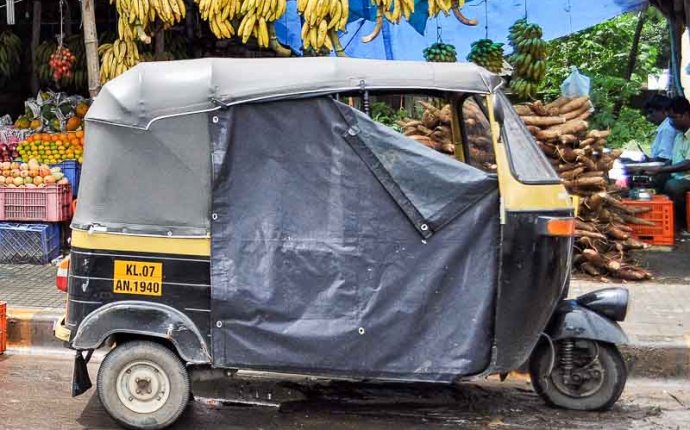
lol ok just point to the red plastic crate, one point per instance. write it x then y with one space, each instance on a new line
49 204
3 327
661 214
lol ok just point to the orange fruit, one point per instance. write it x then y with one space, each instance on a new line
80 133
81 110
73 123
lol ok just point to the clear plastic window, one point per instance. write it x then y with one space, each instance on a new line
477 131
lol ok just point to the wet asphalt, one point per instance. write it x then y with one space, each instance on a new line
34 394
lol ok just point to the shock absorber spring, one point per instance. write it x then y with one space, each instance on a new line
566 350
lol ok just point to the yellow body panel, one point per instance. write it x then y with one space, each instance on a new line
159 245
517 196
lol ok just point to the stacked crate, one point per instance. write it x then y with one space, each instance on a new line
661 214
30 223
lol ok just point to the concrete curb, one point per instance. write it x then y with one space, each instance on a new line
658 360
30 330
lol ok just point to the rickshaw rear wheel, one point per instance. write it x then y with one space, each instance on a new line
583 375
143 385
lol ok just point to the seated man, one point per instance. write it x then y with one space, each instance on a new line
679 182
656 110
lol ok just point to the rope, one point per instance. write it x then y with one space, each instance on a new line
525 10
62 20
486 19
355 35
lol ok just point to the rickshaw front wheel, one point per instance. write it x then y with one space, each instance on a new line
143 385
582 375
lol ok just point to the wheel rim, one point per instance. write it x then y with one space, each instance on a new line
143 386
586 378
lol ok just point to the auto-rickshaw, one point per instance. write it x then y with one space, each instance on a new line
242 214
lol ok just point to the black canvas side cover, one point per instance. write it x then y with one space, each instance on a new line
319 261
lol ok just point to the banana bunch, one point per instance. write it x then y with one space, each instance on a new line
529 58
437 6
394 10
134 16
488 54
257 15
117 58
10 56
440 53
219 14
322 19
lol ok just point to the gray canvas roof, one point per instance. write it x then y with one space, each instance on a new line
160 89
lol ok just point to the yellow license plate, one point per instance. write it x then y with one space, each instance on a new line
138 277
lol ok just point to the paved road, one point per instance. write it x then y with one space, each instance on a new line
34 394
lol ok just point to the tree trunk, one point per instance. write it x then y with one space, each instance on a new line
632 58
159 48
68 19
91 45
35 39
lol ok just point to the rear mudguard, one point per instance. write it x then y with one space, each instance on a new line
146 319
572 321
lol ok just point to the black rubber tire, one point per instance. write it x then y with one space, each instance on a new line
612 388
133 351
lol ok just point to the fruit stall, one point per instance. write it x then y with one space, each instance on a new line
46 53
40 163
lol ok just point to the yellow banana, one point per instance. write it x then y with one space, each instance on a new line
248 27
175 10
327 43
313 37
304 32
263 7
132 12
116 48
263 33
282 7
344 14
214 28
335 17
322 33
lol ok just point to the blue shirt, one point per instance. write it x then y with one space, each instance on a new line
662 147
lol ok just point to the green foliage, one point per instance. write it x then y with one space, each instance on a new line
381 112
631 126
601 52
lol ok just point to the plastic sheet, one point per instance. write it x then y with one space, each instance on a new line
317 265
407 40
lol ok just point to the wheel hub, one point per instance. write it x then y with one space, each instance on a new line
585 379
143 386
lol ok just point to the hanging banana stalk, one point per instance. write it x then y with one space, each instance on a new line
275 45
457 5
335 41
377 28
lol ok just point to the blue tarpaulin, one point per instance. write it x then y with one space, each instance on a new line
407 40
